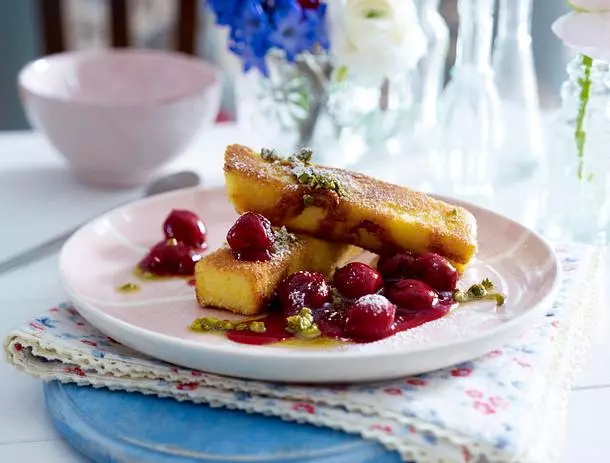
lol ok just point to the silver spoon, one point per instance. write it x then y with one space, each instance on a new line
161 185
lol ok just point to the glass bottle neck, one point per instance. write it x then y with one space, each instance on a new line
514 20
475 33
427 4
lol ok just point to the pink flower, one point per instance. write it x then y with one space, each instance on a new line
393 391
461 372
474 394
416 382
587 28
498 402
380 427
303 407
484 408
187 386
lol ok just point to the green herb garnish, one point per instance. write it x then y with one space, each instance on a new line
128 288
270 155
302 324
304 155
478 292
258 327
307 200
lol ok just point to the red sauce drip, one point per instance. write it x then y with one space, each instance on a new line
274 322
407 319
330 321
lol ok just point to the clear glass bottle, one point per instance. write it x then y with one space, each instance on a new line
578 188
515 78
470 128
432 66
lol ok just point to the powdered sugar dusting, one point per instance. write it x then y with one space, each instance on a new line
376 302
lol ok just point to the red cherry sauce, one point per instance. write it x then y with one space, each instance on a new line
276 332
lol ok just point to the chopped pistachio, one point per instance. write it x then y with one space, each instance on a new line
258 327
302 324
304 155
270 155
241 327
307 200
311 332
212 324
487 284
224 325
128 288
283 236
477 290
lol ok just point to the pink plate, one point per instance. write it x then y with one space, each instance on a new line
101 256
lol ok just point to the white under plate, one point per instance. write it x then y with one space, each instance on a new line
102 255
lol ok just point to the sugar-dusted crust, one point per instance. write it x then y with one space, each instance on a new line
247 287
371 214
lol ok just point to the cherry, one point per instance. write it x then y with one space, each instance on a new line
330 320
186 227
252 255
303 289
370 318
357 279
171 258
250 230
438 272
412 294
399 265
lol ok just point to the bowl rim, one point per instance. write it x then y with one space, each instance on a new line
202 87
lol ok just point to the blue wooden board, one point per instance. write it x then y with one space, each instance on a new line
112 427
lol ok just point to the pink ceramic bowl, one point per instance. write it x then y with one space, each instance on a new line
117 116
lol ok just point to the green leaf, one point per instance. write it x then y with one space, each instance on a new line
341 73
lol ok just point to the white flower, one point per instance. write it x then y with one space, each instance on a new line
587 28
375 38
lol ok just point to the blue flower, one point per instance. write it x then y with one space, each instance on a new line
292 33
46 321
252 50
252 19
98 354
317 24
243 396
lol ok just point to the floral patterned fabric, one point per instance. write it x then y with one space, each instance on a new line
505 406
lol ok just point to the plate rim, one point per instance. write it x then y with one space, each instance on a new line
334 354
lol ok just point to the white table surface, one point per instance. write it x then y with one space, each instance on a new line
35 185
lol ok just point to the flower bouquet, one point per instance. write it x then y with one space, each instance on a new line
324 71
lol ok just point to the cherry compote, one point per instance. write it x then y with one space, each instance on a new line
412 294
357 279
250 230
370 318
251 237
399 265
303 289
170 257
185 227
438 272
184 245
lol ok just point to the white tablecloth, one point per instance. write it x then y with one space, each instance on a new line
35 185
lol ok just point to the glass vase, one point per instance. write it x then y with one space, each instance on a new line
309 104
470 127
432 66
578 190
515 78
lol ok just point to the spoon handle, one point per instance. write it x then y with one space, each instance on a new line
37 252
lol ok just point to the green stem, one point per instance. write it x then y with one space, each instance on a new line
579 134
